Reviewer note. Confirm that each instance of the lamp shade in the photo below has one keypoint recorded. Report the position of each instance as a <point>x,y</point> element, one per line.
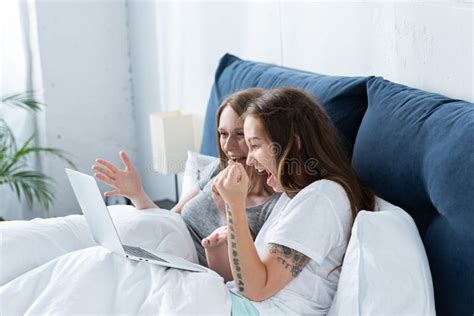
<point>171,138</point>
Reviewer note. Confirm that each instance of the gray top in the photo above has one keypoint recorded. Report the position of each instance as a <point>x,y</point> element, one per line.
<point>202,216</point>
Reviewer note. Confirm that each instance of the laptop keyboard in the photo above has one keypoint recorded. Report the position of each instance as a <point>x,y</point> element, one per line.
<point>140,253</point>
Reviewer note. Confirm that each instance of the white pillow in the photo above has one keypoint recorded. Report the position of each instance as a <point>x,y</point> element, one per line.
<point>385,269</point>
<point>194,164</point>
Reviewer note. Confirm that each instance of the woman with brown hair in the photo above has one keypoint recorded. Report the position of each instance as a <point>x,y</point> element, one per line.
<point>292,266</point>
<point>201,209</point>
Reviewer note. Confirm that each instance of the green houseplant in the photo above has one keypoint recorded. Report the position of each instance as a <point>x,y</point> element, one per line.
<point>29,184</point>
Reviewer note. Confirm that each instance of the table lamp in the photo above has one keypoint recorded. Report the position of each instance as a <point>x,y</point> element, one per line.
<point>171,138</point>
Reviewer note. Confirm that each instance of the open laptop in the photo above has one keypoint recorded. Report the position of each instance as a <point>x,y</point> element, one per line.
<point>104,231</point>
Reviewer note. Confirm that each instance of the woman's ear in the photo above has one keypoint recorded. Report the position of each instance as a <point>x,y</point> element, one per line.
<point>298,142</point>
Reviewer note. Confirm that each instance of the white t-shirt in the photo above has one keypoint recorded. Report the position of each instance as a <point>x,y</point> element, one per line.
<point>316,222</point>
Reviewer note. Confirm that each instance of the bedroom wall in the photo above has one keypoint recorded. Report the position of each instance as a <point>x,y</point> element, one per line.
<point>108,64</point>
<point>87,87</point>
<point>144,70</point>
<point>427,45</point>
<point>175,49</point>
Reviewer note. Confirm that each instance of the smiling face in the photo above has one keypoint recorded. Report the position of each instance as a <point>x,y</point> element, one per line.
<point>260,154</point>
<point>231,136</point>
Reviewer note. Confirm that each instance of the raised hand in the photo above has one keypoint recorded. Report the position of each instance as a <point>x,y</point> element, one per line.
<point>124,182</point>
<point>215,246</point>
<point>232,185</point>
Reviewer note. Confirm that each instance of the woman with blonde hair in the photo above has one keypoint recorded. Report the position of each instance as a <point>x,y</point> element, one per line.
<point>201,209</point>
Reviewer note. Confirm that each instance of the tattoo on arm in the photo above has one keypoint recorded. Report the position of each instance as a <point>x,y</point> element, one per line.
<point>292,260</point>
<point>234,253</point>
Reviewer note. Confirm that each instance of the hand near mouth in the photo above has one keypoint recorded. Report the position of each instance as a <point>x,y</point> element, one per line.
<point>232,185</point>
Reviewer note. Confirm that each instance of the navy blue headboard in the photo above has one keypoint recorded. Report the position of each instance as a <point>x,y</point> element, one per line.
<point>344,98</point>
<point>414,148</point>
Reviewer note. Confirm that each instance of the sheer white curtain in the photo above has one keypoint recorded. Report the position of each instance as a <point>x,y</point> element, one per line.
<point>20,72</point>
<point>183,42</point>
<point>193,35</point>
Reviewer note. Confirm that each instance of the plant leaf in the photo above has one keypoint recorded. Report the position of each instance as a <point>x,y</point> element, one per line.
<point>29,100</point>
<point>33,185</point>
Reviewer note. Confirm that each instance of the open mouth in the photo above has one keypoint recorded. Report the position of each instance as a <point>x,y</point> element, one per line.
<point>240,160</point>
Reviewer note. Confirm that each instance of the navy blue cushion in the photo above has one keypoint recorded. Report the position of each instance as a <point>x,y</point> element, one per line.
<point>416,150</point>
<point>344,98</point>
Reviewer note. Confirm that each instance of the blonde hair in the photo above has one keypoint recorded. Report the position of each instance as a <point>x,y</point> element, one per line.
<point>239,102</point>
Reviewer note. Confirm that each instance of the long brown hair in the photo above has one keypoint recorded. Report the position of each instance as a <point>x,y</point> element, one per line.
<point>303,136</point>
<point>239,102</point>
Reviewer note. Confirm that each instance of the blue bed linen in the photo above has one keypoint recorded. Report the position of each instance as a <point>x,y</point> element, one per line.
<point>242,306</point>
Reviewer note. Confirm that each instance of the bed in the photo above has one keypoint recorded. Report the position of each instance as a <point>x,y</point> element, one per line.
<point>414,148</point>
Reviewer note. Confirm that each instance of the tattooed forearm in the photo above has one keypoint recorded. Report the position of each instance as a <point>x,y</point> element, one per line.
<point>234,253</point>
<point>292,260</point>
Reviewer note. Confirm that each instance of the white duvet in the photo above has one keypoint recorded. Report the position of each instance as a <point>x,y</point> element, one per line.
<point>53,266</point>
